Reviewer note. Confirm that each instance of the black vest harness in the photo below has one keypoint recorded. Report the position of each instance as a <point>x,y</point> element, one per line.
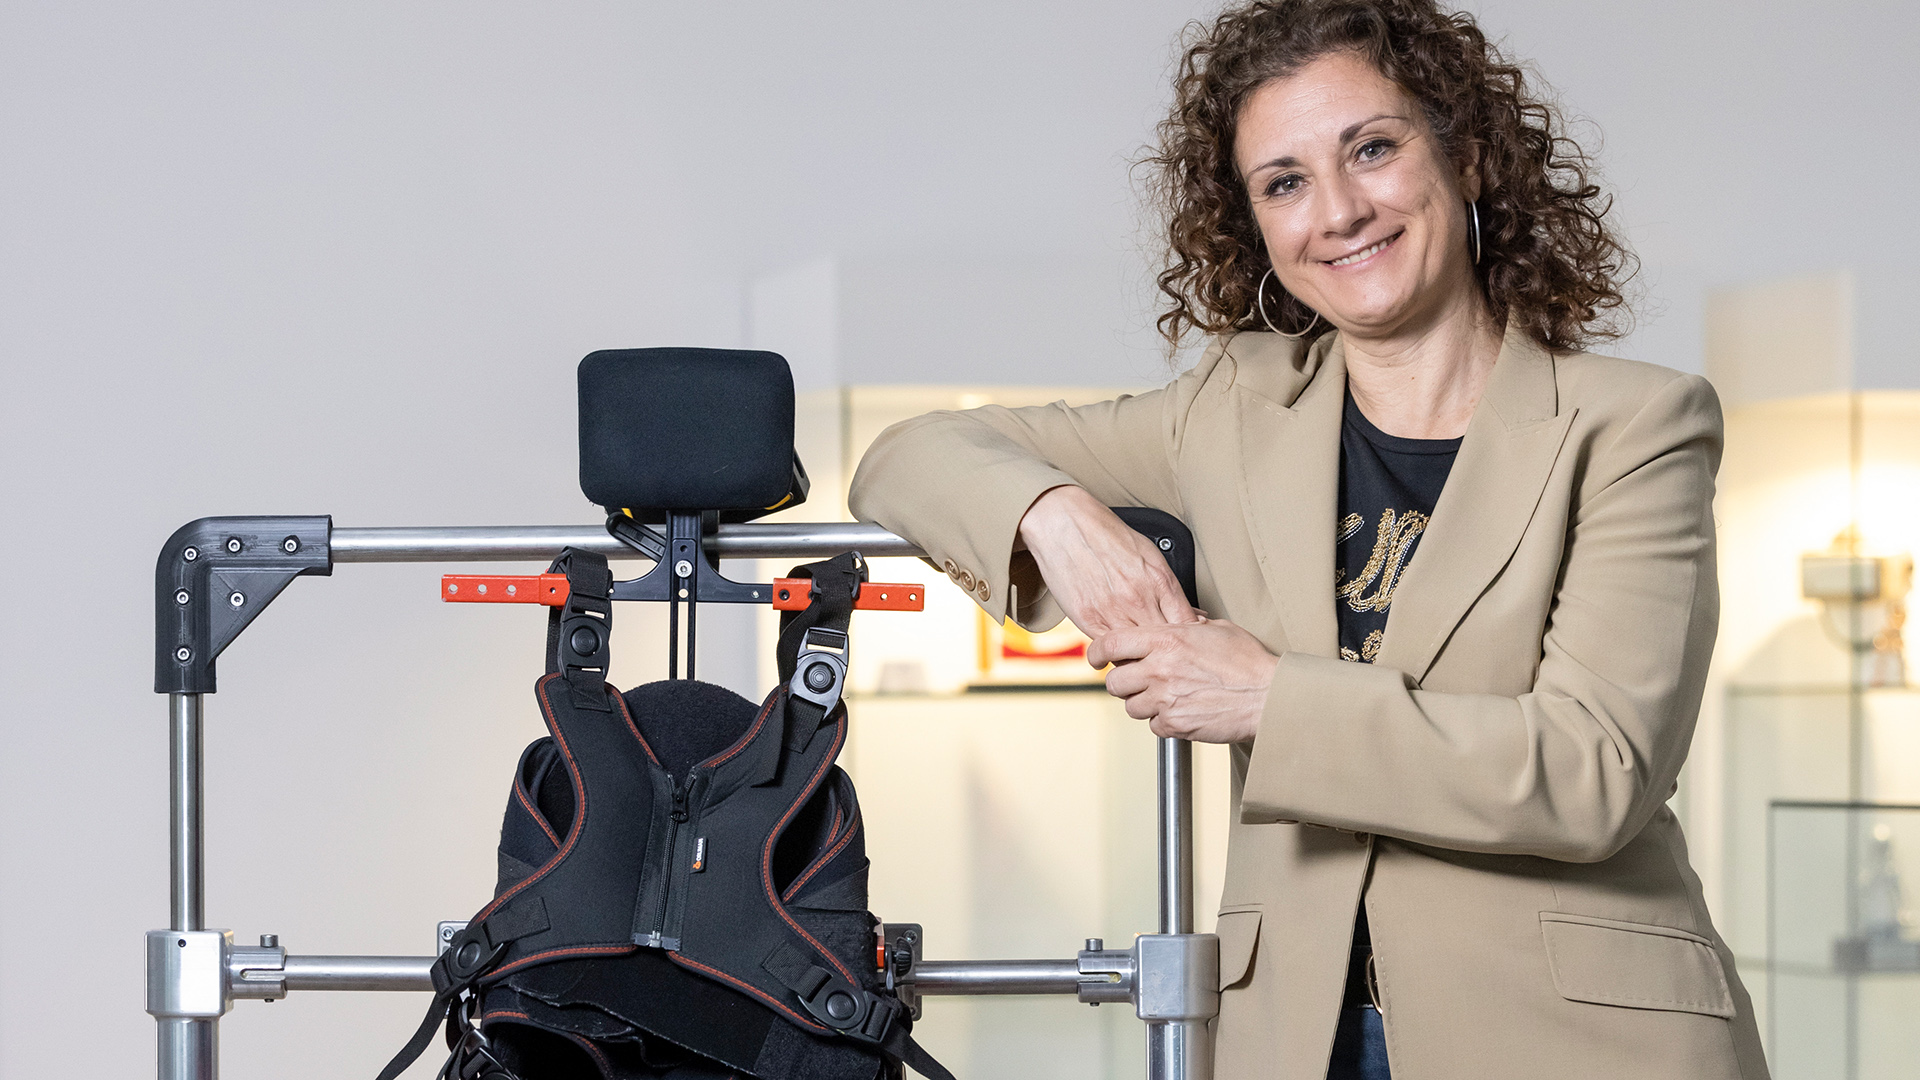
<point>683,880</point>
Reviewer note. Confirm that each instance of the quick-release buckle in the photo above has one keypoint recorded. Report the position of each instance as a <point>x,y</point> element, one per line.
<point>820,670</point>
<point>851,1011</point>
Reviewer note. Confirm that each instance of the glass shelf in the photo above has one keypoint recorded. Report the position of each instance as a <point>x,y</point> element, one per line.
<point>1843,940</point>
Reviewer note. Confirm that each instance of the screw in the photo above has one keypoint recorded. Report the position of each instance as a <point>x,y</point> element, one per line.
<point>183,654</point>
<point>1166,544</point>
<point>269,941</point>
<point>290,545</point>
<point>1094,944</point>
<point>182,597</point>
<point>233,545</point>
<point>190,554</point>
<point>183,943</point>
<point>237,599</point>
<point>446,933</point>
<point>683,568</point>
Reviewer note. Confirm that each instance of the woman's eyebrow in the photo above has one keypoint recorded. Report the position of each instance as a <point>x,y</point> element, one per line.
<point>1346,135</point>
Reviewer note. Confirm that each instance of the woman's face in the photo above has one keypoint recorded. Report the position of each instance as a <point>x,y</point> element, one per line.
<point>1363,215</point>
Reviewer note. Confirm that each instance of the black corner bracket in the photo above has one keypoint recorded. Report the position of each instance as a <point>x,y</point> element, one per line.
<point>214,576</point>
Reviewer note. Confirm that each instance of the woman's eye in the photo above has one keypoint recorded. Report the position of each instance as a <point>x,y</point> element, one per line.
<point>1284,185</point>
<point>1373,149</point>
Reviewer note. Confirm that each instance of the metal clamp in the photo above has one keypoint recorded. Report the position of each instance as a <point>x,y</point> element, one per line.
<point>1178,976</point>
<point>187,973</point>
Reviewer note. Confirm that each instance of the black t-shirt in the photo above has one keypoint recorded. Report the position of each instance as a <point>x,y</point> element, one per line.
<point>1388,488</point>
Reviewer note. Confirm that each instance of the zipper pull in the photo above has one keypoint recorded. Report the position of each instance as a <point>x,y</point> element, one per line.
<point>680,792</point>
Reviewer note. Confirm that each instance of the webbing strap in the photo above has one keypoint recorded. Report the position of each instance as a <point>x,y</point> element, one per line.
<point>901,1046</point>
<point>836,585</point>
<point>436,1013</point>
<point>579,632</point>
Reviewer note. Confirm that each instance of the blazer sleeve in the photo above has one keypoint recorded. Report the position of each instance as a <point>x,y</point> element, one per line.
<point>958,483</point>
<point>1573,769</point>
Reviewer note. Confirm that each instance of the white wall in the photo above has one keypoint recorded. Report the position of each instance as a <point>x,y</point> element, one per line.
<point>341,258</point>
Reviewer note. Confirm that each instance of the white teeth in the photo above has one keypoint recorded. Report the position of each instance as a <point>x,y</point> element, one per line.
<point>1358,255</point>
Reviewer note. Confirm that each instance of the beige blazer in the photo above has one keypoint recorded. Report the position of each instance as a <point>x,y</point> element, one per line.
<point>1494,786</point>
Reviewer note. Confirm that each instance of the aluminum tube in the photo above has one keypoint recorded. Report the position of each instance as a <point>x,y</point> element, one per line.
<point>189,1049</point>
<point>511,543</point>
<point>1179,1050</point>
<point>186,866</point>
<point>359,973</point>
<point>983,977</point>
<point>1176,836</point>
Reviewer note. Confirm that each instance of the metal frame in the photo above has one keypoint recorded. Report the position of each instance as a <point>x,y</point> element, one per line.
<point>194,974</point>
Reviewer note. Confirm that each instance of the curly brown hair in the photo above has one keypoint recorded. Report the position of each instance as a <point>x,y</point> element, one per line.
<point>1550,262</point>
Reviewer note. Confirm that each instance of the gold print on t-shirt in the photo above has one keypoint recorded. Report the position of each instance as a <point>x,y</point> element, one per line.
<point>1392,544</point>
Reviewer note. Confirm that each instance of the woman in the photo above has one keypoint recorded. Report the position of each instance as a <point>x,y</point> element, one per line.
<point>1458,575</point>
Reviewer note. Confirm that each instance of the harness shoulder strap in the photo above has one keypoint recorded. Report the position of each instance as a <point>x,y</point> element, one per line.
<point>579,631</point>
<point>813,647</point>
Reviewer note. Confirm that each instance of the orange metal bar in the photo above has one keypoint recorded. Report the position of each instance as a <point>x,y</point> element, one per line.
<point>790,594</point>
<point>549,589</point>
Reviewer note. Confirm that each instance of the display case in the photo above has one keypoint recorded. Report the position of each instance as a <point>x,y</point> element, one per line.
<point>1843,940</point>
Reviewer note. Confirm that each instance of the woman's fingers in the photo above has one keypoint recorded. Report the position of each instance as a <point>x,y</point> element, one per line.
<point>1103,573</point>
<point>1206,681</point>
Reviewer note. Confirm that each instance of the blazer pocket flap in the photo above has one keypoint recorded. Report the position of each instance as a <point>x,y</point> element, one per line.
<point>1239,933</point>
<point>1634,965</point>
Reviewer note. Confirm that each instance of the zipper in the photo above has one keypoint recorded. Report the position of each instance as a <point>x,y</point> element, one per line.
<point>682,848</point>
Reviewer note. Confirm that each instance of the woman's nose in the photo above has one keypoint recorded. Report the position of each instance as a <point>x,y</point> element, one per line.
<point>1343,208</point>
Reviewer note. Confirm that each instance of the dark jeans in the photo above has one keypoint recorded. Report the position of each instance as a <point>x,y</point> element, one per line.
<point>1359,1047</point>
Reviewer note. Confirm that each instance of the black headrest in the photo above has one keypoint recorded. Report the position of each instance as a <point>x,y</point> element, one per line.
<point>688,429</point>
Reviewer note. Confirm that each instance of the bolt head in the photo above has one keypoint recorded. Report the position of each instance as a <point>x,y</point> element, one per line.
<point>190,554</point>
<point>183,654</point>
<point>290,545</point>
<point>683,568</point>
<point>182,596</point>
<point>233,545</point>
<point>1166,544</point>
<point>237,599</point>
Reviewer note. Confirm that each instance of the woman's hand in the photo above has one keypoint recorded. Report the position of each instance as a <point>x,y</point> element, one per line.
<point>1104,574</point>
<point>1202,681</point>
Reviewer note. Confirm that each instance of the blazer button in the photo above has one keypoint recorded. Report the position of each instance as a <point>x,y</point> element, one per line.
<point>966,580</point>
<point>952,570</point>
<point>1361,838</point>
<point>986,593</point>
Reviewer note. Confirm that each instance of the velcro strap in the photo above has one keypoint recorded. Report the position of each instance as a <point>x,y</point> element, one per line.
<point>524,917</point>
<point>796,971</point>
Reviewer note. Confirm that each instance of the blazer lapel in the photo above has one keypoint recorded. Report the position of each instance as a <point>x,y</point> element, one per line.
<point>1497,480</point>
<point>1289,478</point>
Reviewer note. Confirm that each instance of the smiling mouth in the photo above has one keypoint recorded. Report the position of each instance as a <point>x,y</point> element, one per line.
<point>1364,253</point>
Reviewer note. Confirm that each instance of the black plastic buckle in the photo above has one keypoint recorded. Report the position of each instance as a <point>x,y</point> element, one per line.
<point>820,670</point>
<point>854,1013</point>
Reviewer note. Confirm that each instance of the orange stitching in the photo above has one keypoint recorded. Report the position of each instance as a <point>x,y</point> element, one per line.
<point>521,794</point>
<point>625,712</point>
<point>823,860</point>
<point>579,802</point>
<point>578,950</point>
<point>766,854</point>
<point>687,961</point>
<point>504,1014</point>
<point>734,750</point>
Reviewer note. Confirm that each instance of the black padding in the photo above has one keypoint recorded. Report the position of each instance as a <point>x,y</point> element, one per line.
<point>687,722</point>
<point>686,429</point>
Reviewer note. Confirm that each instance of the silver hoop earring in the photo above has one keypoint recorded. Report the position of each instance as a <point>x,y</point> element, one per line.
<point>1260,301</point>
<point>1473,211</point>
